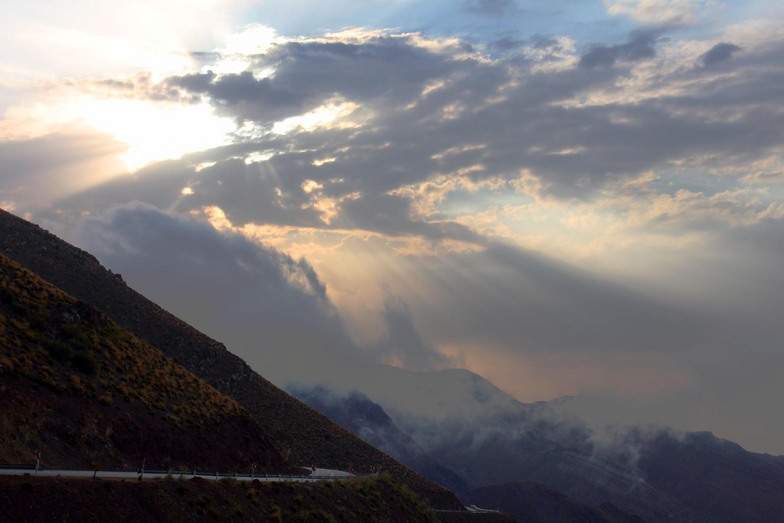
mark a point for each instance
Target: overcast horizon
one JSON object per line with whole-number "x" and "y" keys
{"x": 569, "y": 198}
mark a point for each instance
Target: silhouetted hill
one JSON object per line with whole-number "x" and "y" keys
{"x": 84, "y": 391}
{"x": 312, "y": 437}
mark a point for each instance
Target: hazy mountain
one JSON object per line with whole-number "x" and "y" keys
{"x": 291, "y": 425}
{"x": 489, "y": 440}
{"x": 535, "y": 503}
{"x": 368, "y": 420}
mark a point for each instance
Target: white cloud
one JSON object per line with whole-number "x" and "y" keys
{"x": 661, "y": 11}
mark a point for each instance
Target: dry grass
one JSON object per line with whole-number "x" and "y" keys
{"x": 87, "y": 389}
{"x": 43, "y": 337}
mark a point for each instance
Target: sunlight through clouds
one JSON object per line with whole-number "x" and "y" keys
{"x": 157, "y": 132}
{"x": 333, "y": 114}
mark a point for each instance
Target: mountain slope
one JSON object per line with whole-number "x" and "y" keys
{"x": 32, "y": 500}
{"x": 368, "y": 420}
{"x": 309, "y": 436}
{"x": 534, "y": 503}
{"x": 468, "y": 426}
{"x": 83, "y": 391}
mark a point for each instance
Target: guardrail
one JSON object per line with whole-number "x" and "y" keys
{"x": 24, "y": 469}
{"x": 12, "y": 466}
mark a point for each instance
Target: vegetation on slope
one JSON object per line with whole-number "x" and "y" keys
{"x": 367, "y": 500}
{"x": 86, "y": 392}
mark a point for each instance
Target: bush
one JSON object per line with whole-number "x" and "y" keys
{"x": 84, "y": 363}
{"x": 57, "y": 349}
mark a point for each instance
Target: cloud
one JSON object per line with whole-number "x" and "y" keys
{"x": 574, "y": 130}
{"x": 639, "y": 47}
{"x": 271, "y": 310}
{"x": 41, "y": 170}
{"x": 402, "y": 343}
{"x": 526, "y": 303}
{"x": 719, "y": 53}
{"x": 490, "y": 7}
{"x": 659, "y": 11}
{"x": 268, "y": 308}
{"x": 311, "y": 72}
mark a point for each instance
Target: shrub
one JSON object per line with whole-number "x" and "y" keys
{"x": 106, "y": 399}
{"x": 57, "y": 349}
{"x": 84, "y": 363}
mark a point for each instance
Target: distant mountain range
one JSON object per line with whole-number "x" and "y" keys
{"x": 493, "y": 450}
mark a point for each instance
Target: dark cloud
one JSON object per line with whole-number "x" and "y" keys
{"x": 242, "y": 93}
{"x": 196, "y": 82}
{"x": 507, "y": 43}
{"x": 402, "y": 342}
{"x": 490, "y": 7}
{"x": 719, "y": 53}
{"x": 506, "y": 117}
{"x": 497, "y": 115}
{"x": 390, "y": 215}
{"x": 529, "y": 302}
{"x": 387, "y": 70}
{"x": 268, "y": 308}
{"x": 639, "y": 47}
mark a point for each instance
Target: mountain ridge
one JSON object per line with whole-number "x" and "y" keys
{"x": 84, "y": 392}
{"x": 297, "y": 430}
{"x": 653, "y": 473}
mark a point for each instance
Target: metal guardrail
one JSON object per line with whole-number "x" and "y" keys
{"x": 179, "y": 474}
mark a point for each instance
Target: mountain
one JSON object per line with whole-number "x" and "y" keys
{"x": 368, "y": 420}
{"x": 535, "y": 503}
{"x": 293, "y": 428}
{"x": 380, "y": 500}
{"x": 494, "y": 443}
{"x": 85, "y": 392}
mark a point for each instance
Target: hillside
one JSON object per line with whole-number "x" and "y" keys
{"x": 371, "y": 501}
{"x": 84, "y": 391}
{"x": 527, "y": 459}
{"x": 535, "y": 503}
{"x": 369, "y": 421}
{"x": 310, "y": 436}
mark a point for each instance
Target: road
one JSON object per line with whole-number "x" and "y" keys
{"x": 317, "y": 475}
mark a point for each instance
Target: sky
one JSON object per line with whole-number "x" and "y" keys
{"x": 570, "y": 198}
